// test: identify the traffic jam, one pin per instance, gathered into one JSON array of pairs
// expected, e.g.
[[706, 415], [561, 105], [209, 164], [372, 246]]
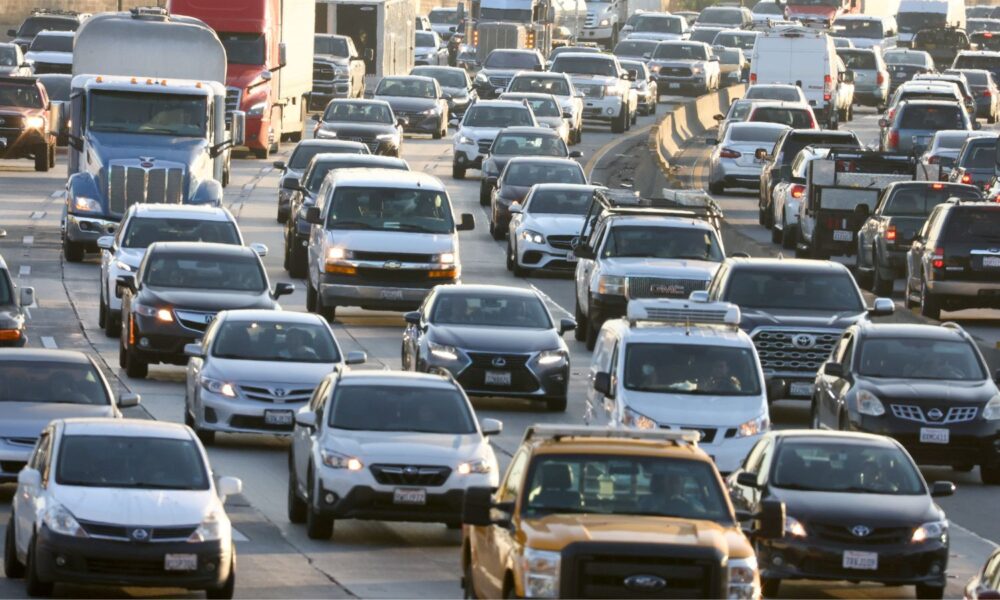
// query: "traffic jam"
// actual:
[[508, 298]]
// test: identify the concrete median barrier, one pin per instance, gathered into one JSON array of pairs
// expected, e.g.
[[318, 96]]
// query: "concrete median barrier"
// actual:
[[689, 120]]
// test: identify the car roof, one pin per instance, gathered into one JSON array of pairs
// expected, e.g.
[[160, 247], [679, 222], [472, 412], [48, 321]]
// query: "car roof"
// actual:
[[422, 78], [181, 211], [43, 355], [552, 160], [654, 219], [55, 33], [356, 101], [762, 103], [737, 125], [788, 264], [438, 68], [499, 104], [613, 446], [362, 160], [582, 187], [669, 333], [528, 129], [926, 102], [327, 143], [513, 51], [911, 330], [200, 248], [587, 55], [271, 316], [125, 428], [526, 95], [856, 437], [682, 42], [466, 289], [541, 74], [986, 53], [398, 378], [386, 178]]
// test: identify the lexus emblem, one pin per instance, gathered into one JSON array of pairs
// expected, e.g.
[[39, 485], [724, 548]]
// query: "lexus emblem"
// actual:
[[935, 414], [804, 341], [140, 535], [861, 530], [280, 392], [645, 583], [392, 264], [499, 362]]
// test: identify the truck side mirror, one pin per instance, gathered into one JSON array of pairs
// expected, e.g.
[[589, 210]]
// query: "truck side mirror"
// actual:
[[124, 283], [747, 479], [12, 33], [602, 384], [468, 223], [862, 211], [833, 369], [477, 506], [583, 251], [291, 184], [760, 154], [27, 296], [238, 127], [282, 54], [369, 54]]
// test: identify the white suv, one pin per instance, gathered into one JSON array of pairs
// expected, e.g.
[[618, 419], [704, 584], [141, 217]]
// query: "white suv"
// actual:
[[606, 87], [681, 364], [393, 446]]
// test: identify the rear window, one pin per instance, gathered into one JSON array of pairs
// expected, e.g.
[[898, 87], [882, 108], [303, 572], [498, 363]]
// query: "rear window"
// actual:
[[765, 92], [932, 118], [723, 16], [52, 43], [795, 118], [980, 156], [978, 77], [755, 133], [735, 40], [974, 224], [919, 201], [977, 61], [871, 30], [858, 59]]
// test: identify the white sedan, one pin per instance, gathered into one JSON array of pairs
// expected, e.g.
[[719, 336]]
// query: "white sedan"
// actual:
[[542, 230]]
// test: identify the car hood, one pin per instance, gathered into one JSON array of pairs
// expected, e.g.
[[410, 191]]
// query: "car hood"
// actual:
[[753, 317], [401, 103], [357, 129], [872, 510], [593, 80], [268, 372], [150, 508], [332, 59], [500, 72], [406, 447], [661, 267], [495, 339], [676, 62], [54, 58], [129, 146], [689, 410], [454, 92], [213, 300], [380, 241], [479, 133], [555, 224], [946, 391], [28, 419]]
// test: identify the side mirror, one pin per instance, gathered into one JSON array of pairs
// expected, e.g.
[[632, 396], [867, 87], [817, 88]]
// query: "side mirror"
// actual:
[[976, 125], [567, 114], [280, 164], [477, 506], [719, 117], [194, 350], [291, 184], [515, 208], [317, 117], [940, 489], [283, 289], [356, 357], [282, 54], [106, 242], [259, 249], [491, 427], [314, 216], [583, 251], [996, 375], [760, 154], [833, 369], [27, 296], [468, 222], [883, 123], [124, 283], [412, 317], [12, 33], [129, 400], [698, 296], [575, 154], [305, 418], [402, 121], [228, 486], [862, 211], [747, 480], [602, 384], [238, 127], [29, 477], [772, 519], [566, 324], [883, 307], [452, 122]]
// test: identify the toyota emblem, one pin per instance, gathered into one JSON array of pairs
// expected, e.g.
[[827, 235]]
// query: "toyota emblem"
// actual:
[[499, 362], [645, 583], [140, 535], [861, 530], [280, 392], [392, 264], [803, 341], [935, 414]]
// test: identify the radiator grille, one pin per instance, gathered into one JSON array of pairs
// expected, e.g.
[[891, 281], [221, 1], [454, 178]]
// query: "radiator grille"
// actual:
[[794, 350], [135, 185]]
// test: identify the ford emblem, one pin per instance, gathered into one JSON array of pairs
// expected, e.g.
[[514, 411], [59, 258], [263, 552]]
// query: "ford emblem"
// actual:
[[861, 530], [140, 535], [645, 583]]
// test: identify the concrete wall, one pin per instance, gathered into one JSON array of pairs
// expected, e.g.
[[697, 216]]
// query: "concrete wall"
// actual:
[[13, 12], [688, 121]]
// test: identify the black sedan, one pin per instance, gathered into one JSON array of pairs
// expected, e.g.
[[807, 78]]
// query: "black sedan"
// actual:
[[518, 176], [419, 101], [177, 292], [496, 341], [519, 141], [291, 171], [857, 509], [370, 122], [927, 386]]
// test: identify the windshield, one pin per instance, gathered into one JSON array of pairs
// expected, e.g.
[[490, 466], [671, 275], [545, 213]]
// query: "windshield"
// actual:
[[332, 45], [977, 77], [790, 289], [491, 310], [584, 65], [973, 224], [390, 209], [33, 25], [512, 60], [681, 52], [514, 15], [918, 358], [144, 231], [691, 369], [358, 112], [640, 48], [406, 88], [735, 40], [425, 39], [972, 61], [51, 383], [755, 133], [722, 16], [559, 202], [8, 56], [304, 153], [165, 114], [982, 25], [918, 201], [529, 84], [519, 144], [446, 78], [57, 87], [662, 242], [206, 272], [915, 59], [397, 408], [844, 467], [706, 35], [443, 17], [932, 118], [498, 116], [768, 8], [131, 462], [527, 174], [739, 110], [24, 96], [275, 342], [871, 30], [912, 22], [542, 107], [659, 24], [858, 60], [321, 169], [624, 485], [774, 92], [52, 43], [244, 48]]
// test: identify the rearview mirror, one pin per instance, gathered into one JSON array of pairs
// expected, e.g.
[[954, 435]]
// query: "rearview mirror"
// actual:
[[27, 296], [356, 357], [883, 122], [280, 164], [412, 317], [833, 369], [12, 33], [861, 211], [282, 54], [711, 142], [194, 350], [719, 117], [882, 307], [602, 384], [402, 121], [760, 154], [305, 418], [477, 506], [29, 477], [238, 127], [369, 54], [259, 249], [491, 427], [129, 400], [316, 117], [228, 486], [567, 114], [583, 251], [566, 324], [515, 208], [124, 283], [291, 184], [575, 154], [313, 216], [940, 489], [468, 223]]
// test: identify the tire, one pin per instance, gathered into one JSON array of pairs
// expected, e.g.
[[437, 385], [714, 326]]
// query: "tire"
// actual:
[[327, 312], [990, 474], [777, 235], [52, 156], [35, 587], [769, 587], [135, 367], [618, 124], [72, 251], [228, 589], [112, 323], [518, 270], [592, 330], [580, 331], [13, 568], [813, 415], [310, 297], [652, 108], [261, 153], [468, 590], [788, 237], [207, 436], [716, 187], [485, 192], [635, 116], [510, 257], [42, 159], [760, 216], [843, 422], [929, 305], [964, 468], [880, 285], [556, 404], [102, 310], [318, 525], [297, 507], [298, 263], [281, 218], [907, 294], [930, 592], [457, 172], [121, 353], [294, 137], [496, 232], [438, 134]]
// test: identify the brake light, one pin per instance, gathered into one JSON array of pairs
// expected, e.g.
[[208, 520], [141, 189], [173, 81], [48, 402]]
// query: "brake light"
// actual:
[[933, 160], [937, 186], [966, 178], [827, 86], [797, 190], [729, 153], [890, 234], [880, 78], [987, 94], [938, 262], [753, 78], [987, 35], [893, 140]]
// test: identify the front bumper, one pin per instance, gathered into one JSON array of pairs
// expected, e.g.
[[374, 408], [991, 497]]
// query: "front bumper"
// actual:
[[381, 294], [22, 143], [83, 229], [602, 109], [468, 156], [109, 562], [324, 91], [423, 123], [528, 378], [684, 85], [543, 256], [159, 342], [597, 34], [975, 442], [238, 415]]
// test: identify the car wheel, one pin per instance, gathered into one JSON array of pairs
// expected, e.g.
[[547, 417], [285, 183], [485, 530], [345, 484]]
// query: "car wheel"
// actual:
[[618, 124], [788, 237], [261, 153], [72, 251], [310, 297], [814, 415], [485, 193], [13, 568], [457, 172], [228, 589], [298, 263], [592, 330], [776, 235], [102, 310], [516, 267], [556, 404], [930, 592], [297, 507], [326, 311], [635, 116], [580, 331], [35, 587], [318, 525], [990, 474], [135, 367], [908, 294], [929, 305], [121, 350], [843, 422], [652, 108], [112, 323], [468, 589], [769, 587], [510, 256], [207, 436], [52, 156], [761, 216], [880, 285], [42, 159], [717, 187]]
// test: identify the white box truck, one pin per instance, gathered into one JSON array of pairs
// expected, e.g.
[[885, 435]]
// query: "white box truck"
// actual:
[[383, 32]]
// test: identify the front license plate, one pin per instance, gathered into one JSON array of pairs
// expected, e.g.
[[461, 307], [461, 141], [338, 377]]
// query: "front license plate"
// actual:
[[802, 388], [866, 561], [278, 417], [674, 86], [991, 261], [180, 562], [391, 294], [571, 257], [497, 377], [409, 496], [933, 435], [840, 235]]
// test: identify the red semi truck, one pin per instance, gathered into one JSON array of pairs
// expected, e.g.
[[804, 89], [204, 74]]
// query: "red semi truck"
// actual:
[[820, 13], [269, 48]]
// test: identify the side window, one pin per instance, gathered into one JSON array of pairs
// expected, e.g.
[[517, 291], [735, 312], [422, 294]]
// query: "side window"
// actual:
[[595, 235], [936, 223], [41, 458], [319, 395], [715, 286], [613, 369], [930, 223], [512, 481], [321, 197]]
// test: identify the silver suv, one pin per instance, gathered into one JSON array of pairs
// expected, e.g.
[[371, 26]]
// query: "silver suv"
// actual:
[[606, 87], [480, 126]]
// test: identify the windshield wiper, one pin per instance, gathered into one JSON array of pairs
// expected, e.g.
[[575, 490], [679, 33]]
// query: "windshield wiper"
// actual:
[[414, 227], [150, 485], [351, 225]]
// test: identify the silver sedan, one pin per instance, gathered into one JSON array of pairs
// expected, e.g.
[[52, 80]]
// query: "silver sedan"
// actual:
[[732, 161]]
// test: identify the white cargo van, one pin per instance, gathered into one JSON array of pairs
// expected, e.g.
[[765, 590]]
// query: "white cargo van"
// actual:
[[915, 15], [803, 57]]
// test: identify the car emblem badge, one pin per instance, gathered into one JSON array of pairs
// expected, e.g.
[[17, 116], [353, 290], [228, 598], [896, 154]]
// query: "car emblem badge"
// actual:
[[935, 414], [280, 392], [499, 362], [861, 530], [209, 319], [140, 535], [392, 264], [2, 121], [645, 583], [804, 340], [410, 471]]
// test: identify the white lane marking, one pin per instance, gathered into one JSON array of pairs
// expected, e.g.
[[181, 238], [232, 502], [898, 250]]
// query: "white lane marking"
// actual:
[[57, 193], [49, 342], [38, 215], [549, 300], [239, 537], [24, 271], [28, 240], [989, 543]]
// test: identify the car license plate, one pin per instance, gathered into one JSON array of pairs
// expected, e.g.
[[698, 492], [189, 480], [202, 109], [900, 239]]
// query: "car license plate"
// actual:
[[933, 435], [867, 561], [278, 417], [180, 562], [802, 388], [497, 377], [674, 86], [841, 235], [391, 294], [409, 496], [571, 257], [991, 261]]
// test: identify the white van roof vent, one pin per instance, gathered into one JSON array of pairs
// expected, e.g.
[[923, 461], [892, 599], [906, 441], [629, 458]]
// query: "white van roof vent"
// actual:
[[696, 310]]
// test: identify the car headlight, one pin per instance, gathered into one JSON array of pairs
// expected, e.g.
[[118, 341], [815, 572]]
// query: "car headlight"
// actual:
[[743, 578], [445, 258], [991, 412], [637, 420], [611, 285], [340, 71], [336, 460], [869, 404], [59, 520], [654, 68], [794, 528], [612, 90], [337, 254], [928, 532], [325, 134], [461, 94], [532, 236], [257, 110], [385, 137], [477, 466], [755, 426], [122, 266], [696, 70], [34, 122], [222, 388], [604, 23], [541, 573], [86, 204], [430, 111], [442, 351], [466, 140], [161, 314], [213, 528], [551, 357]]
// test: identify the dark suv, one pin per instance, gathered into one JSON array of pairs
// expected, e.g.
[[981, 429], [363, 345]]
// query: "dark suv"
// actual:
[[500, 67], [27, 125], [954, 262], [45, 20], [927, 386], [901, 211], [794, 310], [976, 162]]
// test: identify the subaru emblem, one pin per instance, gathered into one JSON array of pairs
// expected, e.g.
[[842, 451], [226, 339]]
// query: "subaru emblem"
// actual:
[[935, 414], [410, 471], [861, 530], [645, 583], [499, 362], [139, 535]]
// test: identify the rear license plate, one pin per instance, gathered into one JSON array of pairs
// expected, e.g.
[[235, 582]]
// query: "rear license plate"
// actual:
[[841, 235], [991, 261], [409, 496], [932, 435], [674, 86], [867, 561], [278, 417], [391, 294], [180, 562], [802, 388], [497, 377]]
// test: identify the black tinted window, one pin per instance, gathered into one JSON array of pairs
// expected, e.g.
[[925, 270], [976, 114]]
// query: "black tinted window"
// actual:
[[559, 202], [980, 156], [848, 468], [511, 60], [498, 116], [33, 25], [796, 118], [973, 224], [52, 383], [919, 201], [528, 174], [146, 230], [584, 65], [859, 29], [858, 59], [917, 358], [6, 290], [399, 408], [691, 370], [139, 462], [794, 290], [206, 272], [274, 342], [304, 153], [662, 242], [52, 43], [358, 112], [491, 310], [57, 87], [932, 118], [722, 16], [335, 46]]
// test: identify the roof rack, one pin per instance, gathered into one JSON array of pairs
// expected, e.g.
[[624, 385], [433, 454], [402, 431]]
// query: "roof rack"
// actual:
[[691, 204], [19, 80], [681, 437], [55, 12], [696, 310]]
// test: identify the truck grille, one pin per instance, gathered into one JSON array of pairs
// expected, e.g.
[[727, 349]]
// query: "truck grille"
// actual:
[[499, 82], [656, 287], [591, 91], [12, 122], [591, 19], [323, 72], [233, 97], [410, 475], [401, 257], [562, 242], [595, 570], [136, 185], [675, 72], [794, 349]]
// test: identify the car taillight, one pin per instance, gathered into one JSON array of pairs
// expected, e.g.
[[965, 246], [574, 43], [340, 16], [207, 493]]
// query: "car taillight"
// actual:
[[827, 87], [937, 186], [729, 153], [889, 115], [938, 262], [893, 140], [987, 94], [753, 78], [933, 160], [890, 234], [880, 79], [966, 178], [797, 190]]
